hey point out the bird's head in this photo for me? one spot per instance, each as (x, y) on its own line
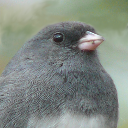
(60, 42)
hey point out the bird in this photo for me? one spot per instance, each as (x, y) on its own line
(56, 80)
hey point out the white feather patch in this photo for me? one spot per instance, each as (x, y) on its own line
(68, 121)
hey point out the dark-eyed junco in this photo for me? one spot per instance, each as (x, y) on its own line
(57, 81)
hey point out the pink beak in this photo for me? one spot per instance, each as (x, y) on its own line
(90, 41)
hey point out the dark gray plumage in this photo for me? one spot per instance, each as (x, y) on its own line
(51, 83)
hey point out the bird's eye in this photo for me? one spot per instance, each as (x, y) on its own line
(58, 37)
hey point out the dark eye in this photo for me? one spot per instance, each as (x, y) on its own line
(58, 37)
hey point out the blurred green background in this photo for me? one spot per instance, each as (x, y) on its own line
(21, 19)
